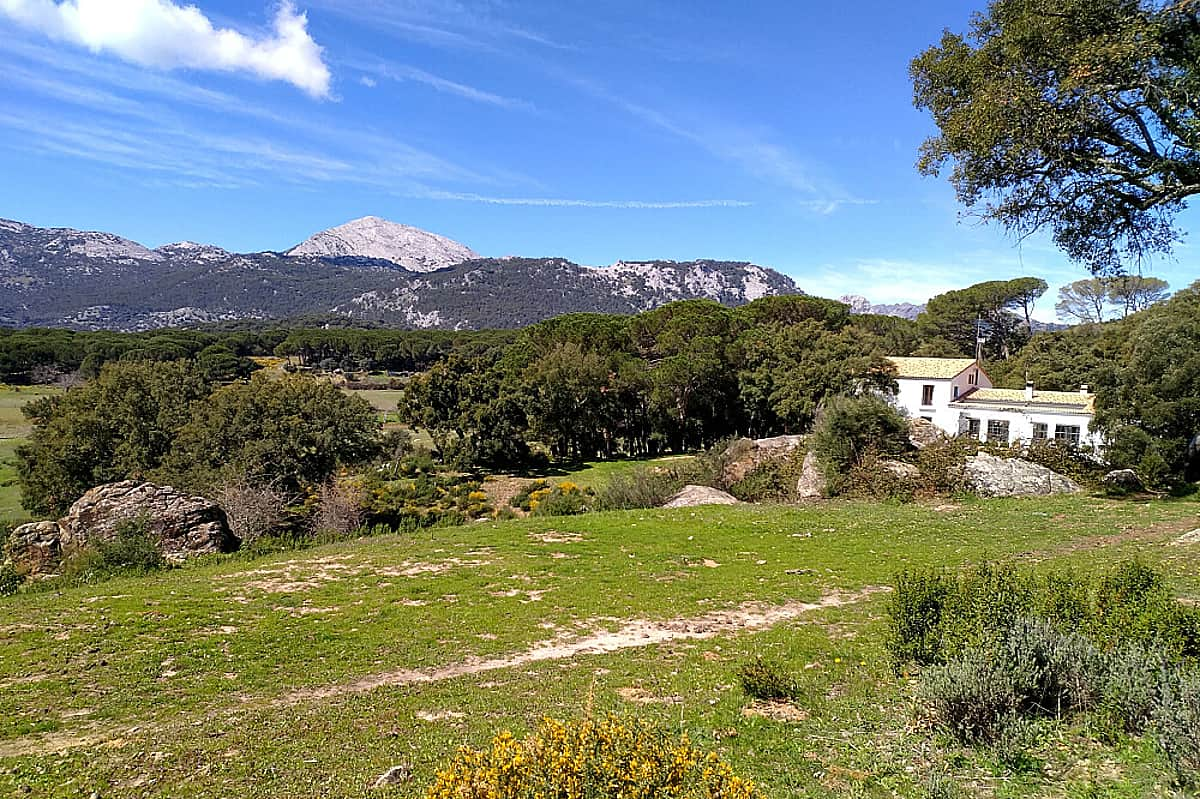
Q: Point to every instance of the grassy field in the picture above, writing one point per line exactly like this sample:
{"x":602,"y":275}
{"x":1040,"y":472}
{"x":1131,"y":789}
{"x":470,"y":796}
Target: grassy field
{"x":13,"y":428}
{"x":597,"y":474}
{"x":309,"y":674}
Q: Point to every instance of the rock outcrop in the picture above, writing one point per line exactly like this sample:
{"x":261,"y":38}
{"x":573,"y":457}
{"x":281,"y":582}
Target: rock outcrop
{"x":992,"y":476}
{"x":902,"y":470}
{"x":812,"y":483}
{"x":692,"y":496}
{"x":745,"y":455}
{"x":34,"y":549}
{"x":182,"y":525}
{"x":1122,"y":481}
{"x":922,"y":433}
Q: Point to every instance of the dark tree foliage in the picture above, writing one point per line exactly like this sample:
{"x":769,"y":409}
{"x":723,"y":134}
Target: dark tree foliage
{"x":676,"y":378}
{"x":998,"y":310}
{"x":288,"y":432}
{"x":118,"y":426}
{"x":1077,"y":116}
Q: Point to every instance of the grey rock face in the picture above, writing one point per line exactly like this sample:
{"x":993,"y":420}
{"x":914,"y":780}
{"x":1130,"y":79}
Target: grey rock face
{"x":692,"y":496}
{"x":183,"y":525}
{"x":34,"y":549}
{"x":1123,"y":480}
{"x":902,"y":470}
{"x":371,"y":237}
{"x":812,"y":483}
{"x":992,"y":476}
{"x":745,"y":455}
{"x":922,"y":433}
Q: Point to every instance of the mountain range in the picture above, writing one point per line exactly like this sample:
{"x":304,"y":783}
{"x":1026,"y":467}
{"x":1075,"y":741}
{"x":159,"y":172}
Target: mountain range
{"x":369,"y":269}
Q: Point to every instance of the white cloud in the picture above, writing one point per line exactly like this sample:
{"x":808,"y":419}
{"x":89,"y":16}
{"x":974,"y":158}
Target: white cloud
{"x":368,"y":81}
{"x":399,"y":72}
{"x":163,"y":35}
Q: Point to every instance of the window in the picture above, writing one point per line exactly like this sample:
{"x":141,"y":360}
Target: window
{"x":926,"y":395}
{"x":968,"y":427}
{"x":927,"y":418}
{"x":1067,"y":434}
{"x":997,"y":431}
{"x":1039,"y":431}
{"x":955,"y":392}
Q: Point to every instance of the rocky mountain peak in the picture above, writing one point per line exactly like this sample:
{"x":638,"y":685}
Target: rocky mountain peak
{"x":374,"y":237}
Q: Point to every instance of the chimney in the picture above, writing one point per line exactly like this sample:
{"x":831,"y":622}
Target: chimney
{"x":1029,"y":391}
{"x":1085,"y":389}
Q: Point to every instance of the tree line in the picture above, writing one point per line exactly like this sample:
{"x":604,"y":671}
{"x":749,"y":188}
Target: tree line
{"x":41,"y":355}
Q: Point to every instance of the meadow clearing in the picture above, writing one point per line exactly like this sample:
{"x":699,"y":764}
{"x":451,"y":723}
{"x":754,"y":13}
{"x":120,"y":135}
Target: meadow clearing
{"x":14,"y":427}
{"x":310,"y":673}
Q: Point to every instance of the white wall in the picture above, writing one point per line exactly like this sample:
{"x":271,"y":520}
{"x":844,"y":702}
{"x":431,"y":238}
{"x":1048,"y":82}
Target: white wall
{"x":1020,"y":422}
{"x":908,"y":397}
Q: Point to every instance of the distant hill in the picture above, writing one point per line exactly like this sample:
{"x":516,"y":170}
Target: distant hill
{"x":861,"y":305}
{"x":369,"y":270}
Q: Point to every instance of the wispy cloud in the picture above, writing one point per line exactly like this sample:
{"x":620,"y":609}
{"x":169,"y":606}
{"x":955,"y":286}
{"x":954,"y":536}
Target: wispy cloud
{"x":453,"y":24}
{"x":402,"y":72}
{"x":558,"y":202}
{"x":163,"y":35}
{"x":751,"y":150}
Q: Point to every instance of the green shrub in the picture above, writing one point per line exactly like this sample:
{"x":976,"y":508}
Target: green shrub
{"x":652,"y":486}
{"x":1054,"y":673}
{"x":132,"y":550}
{"x":10,"y":580}
{"x":915,"y":617}
{"x":529,"y":497}
{"x":1133,"y":685}
{"x":565,"y":499}
{"x":973,"y":698}
{"x":589,"y":760}
{"x":773,"y":480}
{"x":767,"y":680}
{"x":849,"y":428}
{"x":1177,"y":727}
{"x":934,"y":617}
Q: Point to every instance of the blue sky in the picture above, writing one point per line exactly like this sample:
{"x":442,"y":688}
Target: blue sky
{"x":776,"y":132}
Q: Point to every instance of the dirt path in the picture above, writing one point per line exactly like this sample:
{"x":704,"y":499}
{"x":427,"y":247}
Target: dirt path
{"x":631,"y":634}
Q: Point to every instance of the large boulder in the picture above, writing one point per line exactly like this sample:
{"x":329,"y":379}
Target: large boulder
{"x":1122,"y":481}
{"x":992,"y":476}
{"x":745,"y":455}
{"x":692,"y":496}
{"x":34,"y":549}
{"x":902,"y":470}
{"x":922,"y":433}
{"x":812,"y":483}
{"x":181,"y":524}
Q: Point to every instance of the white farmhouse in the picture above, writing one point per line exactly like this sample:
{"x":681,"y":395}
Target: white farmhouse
{"x":956,"y":394}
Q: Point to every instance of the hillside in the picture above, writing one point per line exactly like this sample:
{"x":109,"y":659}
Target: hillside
{"x":91,"y":280}
{"x":312,"y":673}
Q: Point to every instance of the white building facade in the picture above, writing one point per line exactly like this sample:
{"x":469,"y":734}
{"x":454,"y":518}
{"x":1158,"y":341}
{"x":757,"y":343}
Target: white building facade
{"x":956,"y":394}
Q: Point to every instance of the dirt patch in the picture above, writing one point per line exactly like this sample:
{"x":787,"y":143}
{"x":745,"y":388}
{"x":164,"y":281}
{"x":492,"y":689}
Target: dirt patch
{"x":776,"y":711}
{"x":630,"y":635}
{"x":640,"y":696}
{"x":294,"y":576}
{"x":434,"y":716}
{"x":503,"y":488}
{"x":556,"y":537}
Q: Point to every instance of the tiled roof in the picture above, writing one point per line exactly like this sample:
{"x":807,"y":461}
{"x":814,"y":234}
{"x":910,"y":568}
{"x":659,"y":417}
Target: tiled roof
{"x":1072,"y":399}
{"x":932,"y":368}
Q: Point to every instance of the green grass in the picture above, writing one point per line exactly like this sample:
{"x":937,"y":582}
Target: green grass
{"x":13,"y":424}
{"x":13,"y":429}
{"x":597,"y":474}
{"x":183,"y":684}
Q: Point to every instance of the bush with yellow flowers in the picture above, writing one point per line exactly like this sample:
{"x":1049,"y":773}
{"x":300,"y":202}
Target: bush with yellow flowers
{"x":590,"y":759}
